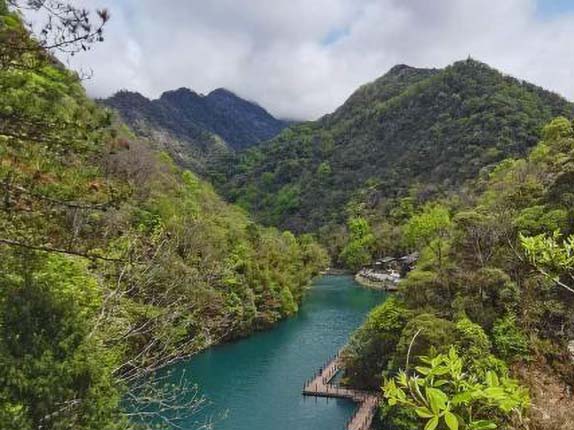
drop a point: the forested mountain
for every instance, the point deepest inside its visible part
(116, 261)
(195, 128)
(490, 300)
(412, 131)
(113, 260)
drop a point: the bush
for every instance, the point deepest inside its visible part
(424, 288)
(486, 294)
(435, 335)
(370, 348)
(446, 395)
(472, 342)
(509, 340)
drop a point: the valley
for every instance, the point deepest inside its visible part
(192, 261)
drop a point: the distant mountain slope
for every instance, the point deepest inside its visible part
(195, 127)
(412, 127)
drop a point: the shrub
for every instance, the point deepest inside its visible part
(472, 342)
(445, 395)
(371, 347)
(434, 335)
(509, 340)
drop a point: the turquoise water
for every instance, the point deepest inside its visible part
(256, 382)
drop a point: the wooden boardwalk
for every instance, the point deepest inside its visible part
(320, 386)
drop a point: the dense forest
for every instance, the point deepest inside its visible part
(472, 169)
(113, 260)
(118, 257)
(480, 334)
(410, 136)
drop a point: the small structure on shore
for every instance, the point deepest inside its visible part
(386, 273)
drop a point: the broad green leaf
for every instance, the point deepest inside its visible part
(451, 420)
(400, 394)
(461, 398)
(492, 379)
(423, 370)
(482, 425)
(437, 399)
(440, 382)
(424, 412)
(432, 423)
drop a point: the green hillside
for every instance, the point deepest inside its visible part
(113, 260)
(494, 287)
(412, 131)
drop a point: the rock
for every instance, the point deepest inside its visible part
(571, 349)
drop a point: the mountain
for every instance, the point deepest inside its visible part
(421, 131)
(491, 294)
(114, 261)
(194, 127)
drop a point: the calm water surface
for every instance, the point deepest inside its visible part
(256, 382)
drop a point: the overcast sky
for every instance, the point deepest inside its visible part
(301, 59)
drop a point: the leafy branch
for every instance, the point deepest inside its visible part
(441, 392)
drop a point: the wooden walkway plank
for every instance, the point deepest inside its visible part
(320, 386)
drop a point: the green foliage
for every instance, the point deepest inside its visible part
(443, 395)
(357, 252)
(558, 128)
(369, 351)
(288, 302)
(55, 373)
(430, 334)
(509, 341)
(433, 222)
(472, 341)
(485, 294)
(435, 129)
(537, 219)
(324, 169)
(551, 255)
(430, 228)
(423, 287)
(114, 261)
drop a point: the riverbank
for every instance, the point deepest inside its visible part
(375, 285)
(333, 271)
(265, 371)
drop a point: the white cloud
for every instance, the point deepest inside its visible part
(274, 51)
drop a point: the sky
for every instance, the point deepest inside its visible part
(301, 59)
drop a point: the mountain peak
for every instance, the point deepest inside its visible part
(222, 92)
(389, 85)
(400, 68)
(180, 95)
(129, 96)
(411, 126)
(186, 114)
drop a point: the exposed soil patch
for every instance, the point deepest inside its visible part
(552, 399)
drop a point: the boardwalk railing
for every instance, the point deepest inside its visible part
(320, 386)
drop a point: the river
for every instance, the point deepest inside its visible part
(255, 383)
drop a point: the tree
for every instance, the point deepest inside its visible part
(53, 373)
(357, 252)
(481, 234)
(552, 256)
(67, 28)
(431, 228)
(370, 349)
